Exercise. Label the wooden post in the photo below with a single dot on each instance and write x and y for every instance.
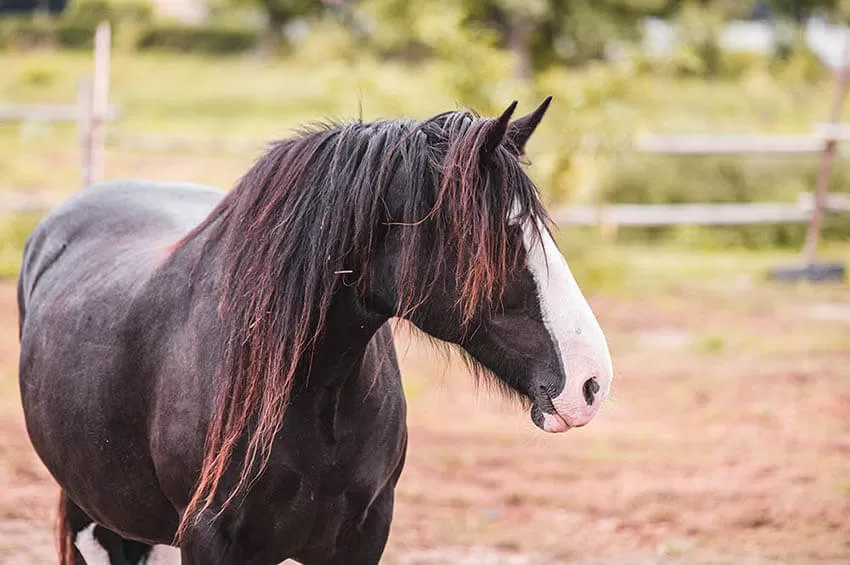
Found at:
(827, 157)
(100, 99)
(84, 127)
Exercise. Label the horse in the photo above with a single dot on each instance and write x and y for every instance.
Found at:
(216, 371)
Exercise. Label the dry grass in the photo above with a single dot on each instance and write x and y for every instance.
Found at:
(740, 454)
(737, 453)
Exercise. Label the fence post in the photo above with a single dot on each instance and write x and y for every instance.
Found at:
(84, 128)
(100, 100)
(827, 157)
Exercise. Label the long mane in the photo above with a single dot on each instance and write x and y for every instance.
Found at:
(311, 207)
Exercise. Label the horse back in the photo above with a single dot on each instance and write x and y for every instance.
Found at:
(105, 221)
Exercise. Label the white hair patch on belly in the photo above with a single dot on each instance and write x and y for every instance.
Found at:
(163, 555)
(90, 548)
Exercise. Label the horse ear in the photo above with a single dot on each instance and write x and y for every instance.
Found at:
(522, 128)
(497, 133)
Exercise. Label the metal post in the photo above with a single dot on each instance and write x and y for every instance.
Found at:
(827, 158)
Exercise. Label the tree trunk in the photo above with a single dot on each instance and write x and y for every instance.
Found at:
(273, 38)
(519, 31)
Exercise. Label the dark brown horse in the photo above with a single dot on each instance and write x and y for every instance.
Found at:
(216, 371)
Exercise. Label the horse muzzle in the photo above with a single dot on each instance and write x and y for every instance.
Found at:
(574, 407)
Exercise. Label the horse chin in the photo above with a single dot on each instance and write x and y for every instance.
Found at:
(552, 423)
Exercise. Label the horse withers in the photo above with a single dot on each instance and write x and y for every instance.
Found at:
(216, 371)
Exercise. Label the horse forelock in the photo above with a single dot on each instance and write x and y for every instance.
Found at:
(309, 209)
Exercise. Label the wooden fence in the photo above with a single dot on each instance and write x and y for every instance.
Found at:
(49, 113)
(92, 111)
(657, 215)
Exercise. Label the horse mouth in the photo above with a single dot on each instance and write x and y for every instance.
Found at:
(545, 417)
(554, 424)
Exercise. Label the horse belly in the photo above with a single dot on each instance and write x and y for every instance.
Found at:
(84, 402)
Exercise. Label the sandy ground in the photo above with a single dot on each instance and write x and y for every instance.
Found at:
(726, 441)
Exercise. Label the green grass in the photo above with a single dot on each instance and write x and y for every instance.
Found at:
(227, 96)
(13, 235)
(257, 99)
(266, 98)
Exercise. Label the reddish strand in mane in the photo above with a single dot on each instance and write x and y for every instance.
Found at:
(313, 206)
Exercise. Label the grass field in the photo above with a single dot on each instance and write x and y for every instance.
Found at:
(257, 100)
(727, 436)
(726, 440)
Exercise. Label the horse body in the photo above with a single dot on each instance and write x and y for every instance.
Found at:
(107, 397)
(216, 371)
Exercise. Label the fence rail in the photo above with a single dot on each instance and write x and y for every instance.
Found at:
(49, 113)
(728, 144)
(635, 215)
(650, 215)
(656, 215)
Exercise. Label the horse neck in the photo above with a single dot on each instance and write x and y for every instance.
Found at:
(348, 328)
(343, 339)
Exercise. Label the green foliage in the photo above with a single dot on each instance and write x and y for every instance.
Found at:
(535, 33)
(487, 38)
(134, 28)
(698, 28)
(674, 180)
(90, 13)
(74, 35)
(280, 13)
(328, 42)
(474, 54)
(586, 28)
(650, 179)
(467, 53)
(798, 64)
(283, 11)
(738, 64)
(14, 231)
(670, 180)
(698, 25)
(24, 32)
(38, 75)
(473, 68)
(723, 9)
(559, 31)
(799, 10)
(215, 39)
(597, 267)
(75, 28)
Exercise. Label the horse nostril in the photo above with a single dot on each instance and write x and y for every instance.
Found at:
(590, 388)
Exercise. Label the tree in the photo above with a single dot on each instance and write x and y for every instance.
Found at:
(801, 10)
(540, 32)
(280, 13)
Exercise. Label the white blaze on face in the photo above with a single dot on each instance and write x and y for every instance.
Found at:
(579, 339)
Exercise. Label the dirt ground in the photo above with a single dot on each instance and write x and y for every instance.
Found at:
(726, 441)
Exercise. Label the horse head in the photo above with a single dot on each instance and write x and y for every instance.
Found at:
(466, 255)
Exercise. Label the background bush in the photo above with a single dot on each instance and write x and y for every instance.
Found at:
(483, 53)
(216, 39)
(650, 179)
(133, 25)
